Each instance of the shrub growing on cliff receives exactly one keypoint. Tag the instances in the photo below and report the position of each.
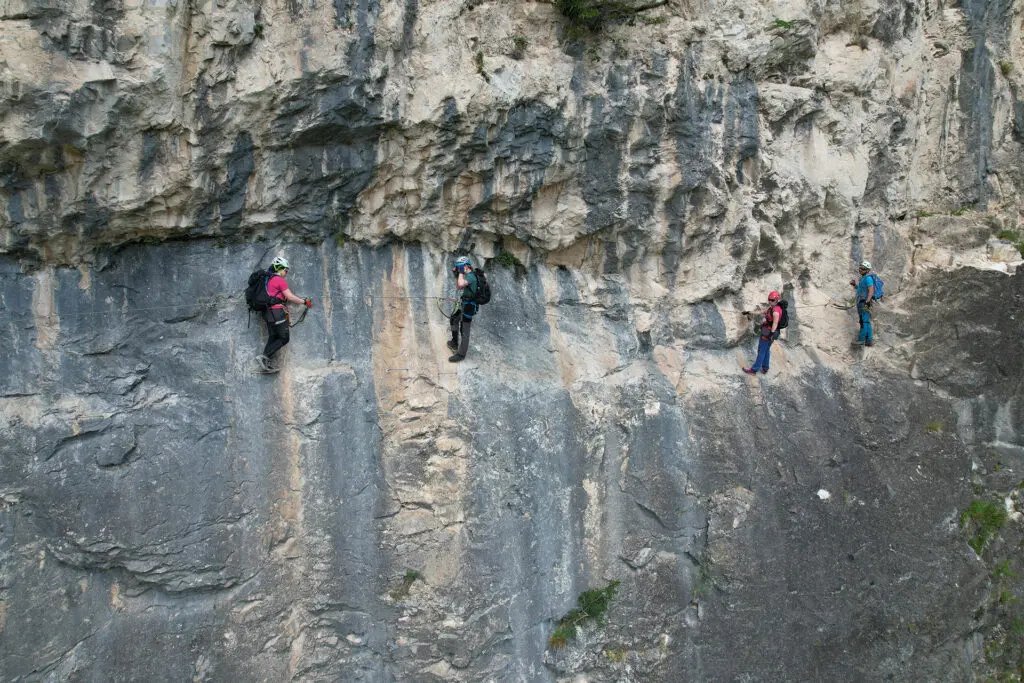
(1013, 236)
(986, 518)
(591, 606)
(407, 581)
(507, 259)
(590, 16)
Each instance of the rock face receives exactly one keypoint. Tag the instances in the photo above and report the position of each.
(376, 513)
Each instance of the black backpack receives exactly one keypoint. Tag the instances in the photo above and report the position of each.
(483, 289)
(256, 295)
(784, 319)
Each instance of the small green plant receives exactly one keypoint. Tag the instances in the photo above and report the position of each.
(924, 213)
(782, 24)
(1014, 237)
(340, 239)
(1003, 570)
(590, 606)
(987, 518)
(616, 655)
(934, 426)
(1006, 67)
(257, 30)
(590, 16)
(519, 45)
(507, 259)
(479, 60)
(1017, 626)
(961, 211)
(581, 16)
(408, 580)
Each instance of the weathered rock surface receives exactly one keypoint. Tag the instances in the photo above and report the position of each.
(374, 513)
(168, 514)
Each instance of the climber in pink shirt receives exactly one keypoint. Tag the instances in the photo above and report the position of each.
(276, 315)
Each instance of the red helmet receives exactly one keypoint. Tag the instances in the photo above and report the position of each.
(774, 296)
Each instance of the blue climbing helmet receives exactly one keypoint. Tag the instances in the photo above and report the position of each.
(462, 261)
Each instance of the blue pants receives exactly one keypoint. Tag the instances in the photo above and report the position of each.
(864, 314)
(764, 354)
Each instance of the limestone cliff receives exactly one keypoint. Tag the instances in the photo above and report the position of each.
(376, 513)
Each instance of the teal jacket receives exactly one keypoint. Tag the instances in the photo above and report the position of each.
(469, 291)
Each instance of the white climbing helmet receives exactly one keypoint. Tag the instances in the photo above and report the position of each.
(279, 263)
(865, 265)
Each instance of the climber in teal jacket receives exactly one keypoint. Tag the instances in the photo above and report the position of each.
(467, 285)
(865, 295)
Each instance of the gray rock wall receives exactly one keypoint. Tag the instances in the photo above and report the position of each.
(376, 513)
(169, 514)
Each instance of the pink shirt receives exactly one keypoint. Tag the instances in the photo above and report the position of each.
(276, 287)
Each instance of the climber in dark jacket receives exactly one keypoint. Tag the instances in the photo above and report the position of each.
(460, 321)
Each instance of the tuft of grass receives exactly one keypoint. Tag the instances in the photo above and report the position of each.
(582, 16)
(986, 518)
(1002, 569)
(507, 259)
(590, 16)
(479, 61)
(257, 30)
(1013, 237)
(591, 605)
(616, 655)
(924, 213)
(340, 239)
(934, 426)
(961, 211)
(411, 575)
(519, 45)
(782, 24)
(1006, 67)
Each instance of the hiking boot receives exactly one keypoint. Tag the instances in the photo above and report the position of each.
(857, 342)
(264, 363)
(764, 371)
(749, 371)
(453, 345)
(456, 358)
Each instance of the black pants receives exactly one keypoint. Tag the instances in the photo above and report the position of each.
(277, 331)
(460, 326)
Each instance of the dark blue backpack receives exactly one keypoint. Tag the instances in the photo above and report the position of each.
(256, 295)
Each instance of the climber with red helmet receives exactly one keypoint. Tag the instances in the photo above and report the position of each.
(773, 315)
